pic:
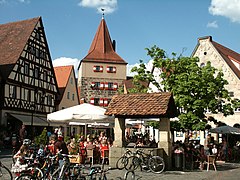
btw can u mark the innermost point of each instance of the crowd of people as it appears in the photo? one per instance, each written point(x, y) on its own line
point(195, 152)
point(56, 145)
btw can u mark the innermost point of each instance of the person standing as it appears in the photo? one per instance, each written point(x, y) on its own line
point(22, 133)
point(58, 146)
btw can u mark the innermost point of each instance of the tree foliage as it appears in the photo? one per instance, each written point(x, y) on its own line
point(194, 88)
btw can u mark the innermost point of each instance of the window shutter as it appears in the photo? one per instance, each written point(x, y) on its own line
point(114, 69)
point(91, 100)
point(93, 85)
point(106, 85)
point(115, 86)
point(105, 102)
point(94, 68)
point(101, 68)
point(108, 69)
point(101, 101)
point(102, 85)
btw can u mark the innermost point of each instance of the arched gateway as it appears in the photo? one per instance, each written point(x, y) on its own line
point(144, 105)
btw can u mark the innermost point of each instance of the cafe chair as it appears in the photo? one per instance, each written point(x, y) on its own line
point(90, 157)
point(211, 160)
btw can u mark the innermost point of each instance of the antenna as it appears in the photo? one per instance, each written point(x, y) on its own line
point(102, 9)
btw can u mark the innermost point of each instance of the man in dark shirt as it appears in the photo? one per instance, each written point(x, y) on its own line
point(59, 146)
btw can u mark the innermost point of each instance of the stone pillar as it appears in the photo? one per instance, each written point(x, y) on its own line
point(165, 141)
point(116, 151)
point(119, 132)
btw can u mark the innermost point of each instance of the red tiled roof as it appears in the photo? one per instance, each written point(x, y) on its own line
point(101, 49)
point(142, 105)
point(13, 38)
point(62, 74)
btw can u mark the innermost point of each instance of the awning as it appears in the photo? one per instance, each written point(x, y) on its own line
point(27, 119)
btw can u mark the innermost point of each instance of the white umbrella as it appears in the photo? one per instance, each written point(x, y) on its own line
point(81, 113)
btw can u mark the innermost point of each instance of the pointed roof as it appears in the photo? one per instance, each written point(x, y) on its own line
point(62, 75)
point(101, 49)
point(227, 54)
point(13, 38)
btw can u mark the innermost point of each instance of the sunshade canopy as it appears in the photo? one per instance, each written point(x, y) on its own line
point(225, 130)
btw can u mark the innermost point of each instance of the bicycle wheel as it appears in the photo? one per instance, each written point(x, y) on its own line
point(132, 163)
point(156, 164)
point(36, 172)
point(5, 173)
point(129, 175)
point(26, 177)
point(121, 162)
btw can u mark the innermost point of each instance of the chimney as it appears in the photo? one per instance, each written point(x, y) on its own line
point(114, 45)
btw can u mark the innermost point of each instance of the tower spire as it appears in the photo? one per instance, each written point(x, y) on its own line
point(102, 12)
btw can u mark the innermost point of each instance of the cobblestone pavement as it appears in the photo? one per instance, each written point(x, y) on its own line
point(225, 171)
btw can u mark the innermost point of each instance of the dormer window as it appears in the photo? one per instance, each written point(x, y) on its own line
point(111, 69)
point(98, 68)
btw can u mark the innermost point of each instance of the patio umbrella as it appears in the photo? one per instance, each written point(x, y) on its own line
point(83, 113)
point(225, 130)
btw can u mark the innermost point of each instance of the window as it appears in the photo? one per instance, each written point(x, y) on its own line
point(95, 101)
point(27, 94)
point(12, 91)
point(98, 68)
point(45, 75)
point(231, 94)
point(68, 95)
point(202, 65)
point(49, 100)
point(73, 97)
point(71, 80)
point(111, 69)
point(110, 85)
point(36, 72)
point(26, 69)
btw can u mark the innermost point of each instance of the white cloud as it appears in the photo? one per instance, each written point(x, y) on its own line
point(212, 24)
point(109, 6)
point(227, 8)
point(64, 61)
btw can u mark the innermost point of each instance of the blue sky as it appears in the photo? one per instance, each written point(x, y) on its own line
point(173, 25)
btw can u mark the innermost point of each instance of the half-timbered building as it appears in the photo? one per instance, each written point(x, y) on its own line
point(28, 83)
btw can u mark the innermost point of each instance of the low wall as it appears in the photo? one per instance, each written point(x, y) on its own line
point(116, 152)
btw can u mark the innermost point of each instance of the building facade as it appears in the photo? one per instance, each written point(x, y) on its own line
point(67, 86)
point(102, 71)
point(28, 83)
point(226, 60)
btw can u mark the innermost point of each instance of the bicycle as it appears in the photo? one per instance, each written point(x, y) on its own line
point(52, 171)
point(5, 173)
point(29, 167)
point(145, 161)
point(121, 162)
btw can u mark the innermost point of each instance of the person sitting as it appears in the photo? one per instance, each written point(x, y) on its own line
point(20, 156)
point(72, 147)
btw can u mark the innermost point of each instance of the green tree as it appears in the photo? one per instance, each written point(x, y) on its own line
point(194, 88)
